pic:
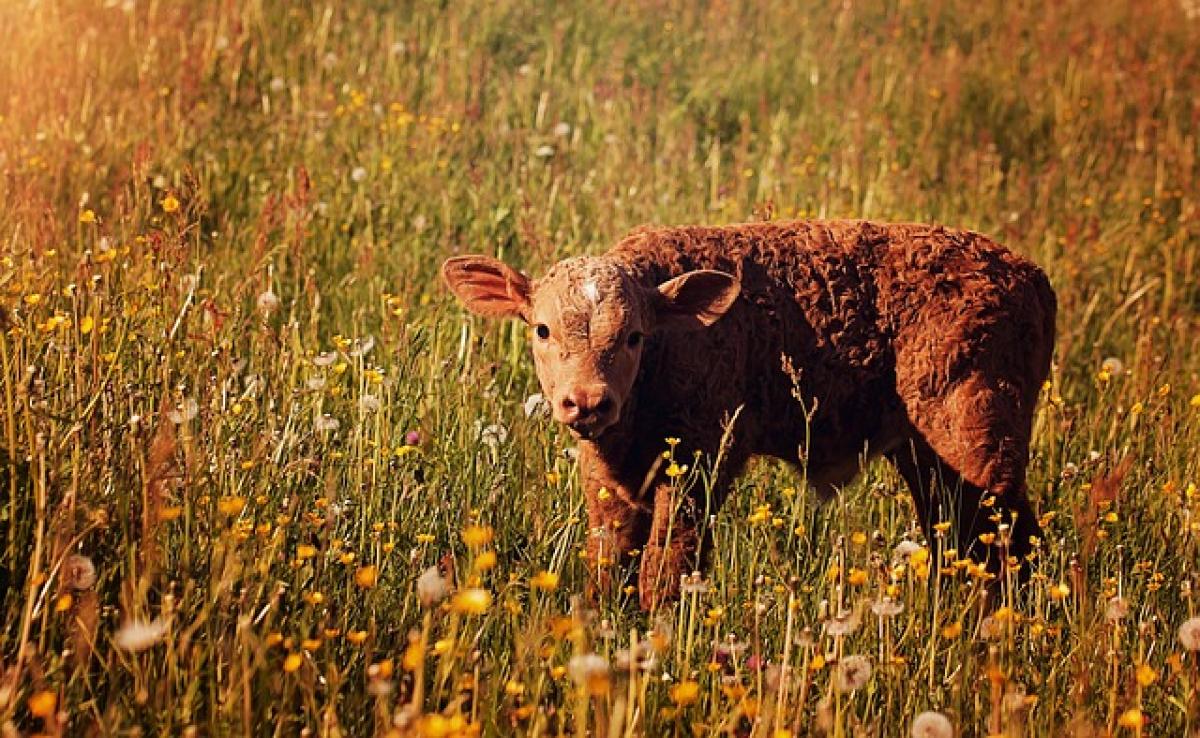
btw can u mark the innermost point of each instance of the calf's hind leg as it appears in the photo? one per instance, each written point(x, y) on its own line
point(966, 461)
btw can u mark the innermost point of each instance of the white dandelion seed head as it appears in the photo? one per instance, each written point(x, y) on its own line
point(586, 668)
point(852, 672)
point(326, 423)
point(277, 84)
point(369, 403)
point(536, 404)
point(268, 302)
point(139, 635)
point(562, 129)
point(432, 587)
point(316, 382)
point(932, 724)
point(358, 174)
point(693, 584)
point(325, 359)
point(903, 550)
point(843, 624)
point(1116, 609)
point(1189, 634)
point(1113, 366)
point(362, 346)
point(78, 572)
point(185, 411)
point(887, 607)
point(492, 436)
point(545, 151)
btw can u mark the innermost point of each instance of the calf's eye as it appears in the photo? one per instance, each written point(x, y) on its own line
point(542, 331)
point(634, 340)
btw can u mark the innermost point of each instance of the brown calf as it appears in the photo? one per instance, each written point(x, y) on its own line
point(922, 344)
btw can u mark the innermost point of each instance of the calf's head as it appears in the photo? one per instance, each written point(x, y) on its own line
point(589, 320)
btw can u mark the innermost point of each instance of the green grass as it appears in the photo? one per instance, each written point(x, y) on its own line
point(333, 156)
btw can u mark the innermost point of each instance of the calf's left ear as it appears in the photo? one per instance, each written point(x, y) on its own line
point(695, 299)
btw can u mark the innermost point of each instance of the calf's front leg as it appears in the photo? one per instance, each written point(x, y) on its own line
point(617, 527)
point(674, 546)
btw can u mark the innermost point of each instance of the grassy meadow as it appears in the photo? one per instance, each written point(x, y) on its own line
point(260, 475)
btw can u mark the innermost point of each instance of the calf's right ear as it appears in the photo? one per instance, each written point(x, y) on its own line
point(488, 286)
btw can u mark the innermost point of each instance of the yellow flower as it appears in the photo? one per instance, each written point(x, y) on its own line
point(231, 505)
point(1132, 718)
point(473, 601)
point(485, 561)
point(169, 204)
point(544, 580)
point(1195, 401)
point(86, 324)
point(1060, 591)
point(675, 470)
point(87, 216)
point(1146, 675)
point(42, 704)
point(953, 630)
point(292, 662)
point(274, 639)
point(367, 576)
point(477, 536)
point(357, 637)
point(685, 693)
point(63, 603)
point(414, 656)
point(856, 577)
point(310, 644)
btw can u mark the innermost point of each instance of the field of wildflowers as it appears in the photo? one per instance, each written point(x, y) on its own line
point(259, 475)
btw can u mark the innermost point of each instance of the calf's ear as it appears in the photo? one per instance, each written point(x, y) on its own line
point(487, 286)
point(695, 299)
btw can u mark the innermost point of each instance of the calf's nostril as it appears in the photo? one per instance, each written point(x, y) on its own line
point(604, 405)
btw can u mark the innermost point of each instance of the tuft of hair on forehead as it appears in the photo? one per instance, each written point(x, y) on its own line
point(591, 292)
